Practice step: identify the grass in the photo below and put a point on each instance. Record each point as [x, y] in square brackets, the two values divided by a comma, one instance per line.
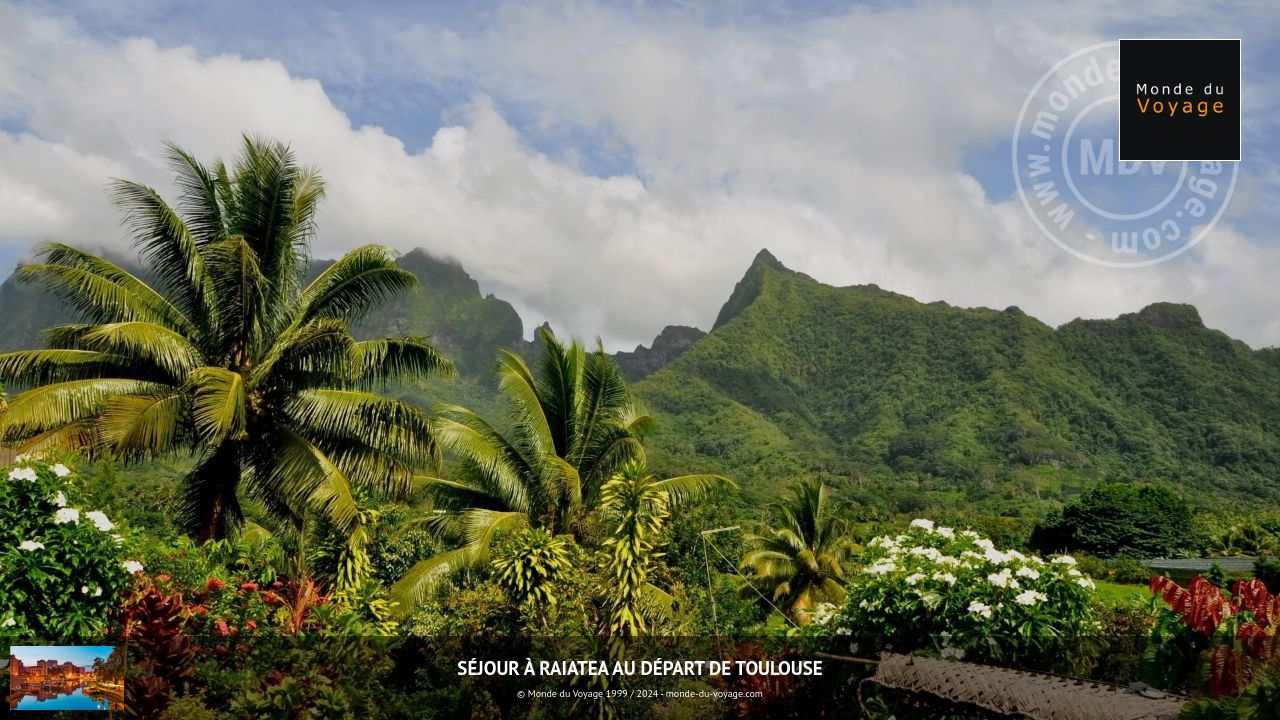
[1119, 594]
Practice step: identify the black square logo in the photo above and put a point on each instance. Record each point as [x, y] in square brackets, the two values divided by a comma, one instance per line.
[1180, 99]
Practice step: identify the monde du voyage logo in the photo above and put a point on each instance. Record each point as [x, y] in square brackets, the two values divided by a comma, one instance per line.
[1125, 153]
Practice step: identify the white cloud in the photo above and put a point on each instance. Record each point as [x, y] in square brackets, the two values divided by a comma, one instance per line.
[837, 144]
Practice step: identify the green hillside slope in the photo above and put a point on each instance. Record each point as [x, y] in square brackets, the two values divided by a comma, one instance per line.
[917, 403]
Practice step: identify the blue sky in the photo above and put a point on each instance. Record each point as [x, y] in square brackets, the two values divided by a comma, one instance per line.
[612, 167]
[82, 655]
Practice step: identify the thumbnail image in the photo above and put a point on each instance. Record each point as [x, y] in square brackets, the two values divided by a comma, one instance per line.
[66, 677]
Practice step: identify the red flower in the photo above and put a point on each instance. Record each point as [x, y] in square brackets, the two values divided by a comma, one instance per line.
[249, 587]
[199, 609]
[251, 625]
[162, 577]
[214, 584]
[221, 625]
[277, 584]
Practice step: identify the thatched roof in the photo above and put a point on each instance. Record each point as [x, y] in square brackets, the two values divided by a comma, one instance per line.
[1021, 694]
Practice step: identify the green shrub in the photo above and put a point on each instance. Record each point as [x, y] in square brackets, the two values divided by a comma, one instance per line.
[1142, 521]
[62, 568]
[934, 588]
[1267, 569]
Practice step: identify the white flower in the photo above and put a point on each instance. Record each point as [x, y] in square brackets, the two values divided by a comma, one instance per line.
[97, 592]
[1015, 555]
[10, 622]
[22, 458]
[931, 598]
[61, 470]
[131, 566]
[926, 525]
[969, 534]
[1074, 572]
[100, 520]
[985, 544]
[915, 578]
[66, 515]
[1027, 572]
[1065, 560]
[1086, 583]
[31, 545]
[995, 557]
[980, 608]
[84, 589]
[23, 473]
[1003, 579]
[946, 532]
[949, 653]
[60, 500]
[945, 577]
[844, 631]
[882, 567]
[117, 538]
[1030, 597]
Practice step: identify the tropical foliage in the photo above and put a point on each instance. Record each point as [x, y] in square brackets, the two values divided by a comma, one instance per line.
[568, 429]
[801, 562]
[226, 353]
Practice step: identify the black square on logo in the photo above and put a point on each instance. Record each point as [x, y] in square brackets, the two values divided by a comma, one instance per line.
[1180, 99]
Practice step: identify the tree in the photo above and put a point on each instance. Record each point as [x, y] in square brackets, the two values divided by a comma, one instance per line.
[800, 563]
[567, 431]
[1112, 519]
[638, 503]
[229, 356]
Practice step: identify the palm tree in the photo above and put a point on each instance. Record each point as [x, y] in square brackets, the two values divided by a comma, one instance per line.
[568, 430]
[229, 356]
[800, 563]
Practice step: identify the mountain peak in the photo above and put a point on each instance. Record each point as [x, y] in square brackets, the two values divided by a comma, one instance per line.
[1170, 316]
[764, 258]
[748, 288]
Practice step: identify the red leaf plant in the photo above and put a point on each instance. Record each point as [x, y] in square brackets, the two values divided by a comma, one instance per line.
[1204, 607]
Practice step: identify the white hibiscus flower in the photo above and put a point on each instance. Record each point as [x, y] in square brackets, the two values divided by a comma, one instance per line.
[99, 520]
[67, 515]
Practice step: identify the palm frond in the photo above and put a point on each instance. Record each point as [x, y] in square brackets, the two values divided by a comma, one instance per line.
[146, 343]
[167, 248]
[360, 280]
[685, 489]
[393, 427]
[378, 362]
[140, 427]
[427, 575]
[41, 367]
[52, 406]
[218, 403]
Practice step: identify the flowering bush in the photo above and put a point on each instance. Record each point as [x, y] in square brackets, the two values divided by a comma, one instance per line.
[935, 588]
[62, 568]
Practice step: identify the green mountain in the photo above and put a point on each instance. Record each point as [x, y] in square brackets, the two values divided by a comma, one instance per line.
[905, 405]
[670, 344]
[464, 324]
[911, 404]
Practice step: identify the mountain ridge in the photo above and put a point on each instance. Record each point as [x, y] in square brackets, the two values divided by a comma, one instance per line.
[871, 388]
